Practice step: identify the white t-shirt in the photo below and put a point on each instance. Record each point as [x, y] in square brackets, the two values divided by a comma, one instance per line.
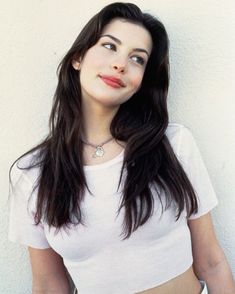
[96, 257]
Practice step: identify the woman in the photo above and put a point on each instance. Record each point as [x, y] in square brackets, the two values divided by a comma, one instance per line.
[115, 194]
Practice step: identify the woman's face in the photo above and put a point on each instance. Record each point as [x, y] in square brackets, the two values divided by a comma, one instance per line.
[112, 70]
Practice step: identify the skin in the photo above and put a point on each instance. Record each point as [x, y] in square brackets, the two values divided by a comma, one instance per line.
[100, 103]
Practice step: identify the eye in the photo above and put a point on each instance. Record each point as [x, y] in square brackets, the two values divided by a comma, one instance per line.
[138, 59]
[109, 46]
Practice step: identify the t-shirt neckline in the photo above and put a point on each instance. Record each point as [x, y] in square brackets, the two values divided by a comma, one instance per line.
[105, 164]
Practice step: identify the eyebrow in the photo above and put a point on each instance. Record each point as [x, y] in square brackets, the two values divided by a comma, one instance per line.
[119, 42]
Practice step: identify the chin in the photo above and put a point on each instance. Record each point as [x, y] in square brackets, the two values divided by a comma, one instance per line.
[110, 101]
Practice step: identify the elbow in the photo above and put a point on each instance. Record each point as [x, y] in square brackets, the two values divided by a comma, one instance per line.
[209, 261]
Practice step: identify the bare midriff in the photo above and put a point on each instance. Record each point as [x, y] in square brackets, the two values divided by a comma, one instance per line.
[184, 284]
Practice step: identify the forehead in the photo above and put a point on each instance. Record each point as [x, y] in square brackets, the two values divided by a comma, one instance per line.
[130, 33]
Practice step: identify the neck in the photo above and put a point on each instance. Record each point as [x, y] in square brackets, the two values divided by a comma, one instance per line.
[96, 125]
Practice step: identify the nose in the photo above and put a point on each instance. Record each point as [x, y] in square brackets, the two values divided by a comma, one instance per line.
[119, 66]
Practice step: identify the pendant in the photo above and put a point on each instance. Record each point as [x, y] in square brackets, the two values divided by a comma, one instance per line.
[99, 152]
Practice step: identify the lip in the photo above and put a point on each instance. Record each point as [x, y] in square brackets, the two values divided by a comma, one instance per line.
[112, 81]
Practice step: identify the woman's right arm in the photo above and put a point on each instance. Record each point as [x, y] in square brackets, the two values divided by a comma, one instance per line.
[48, 272]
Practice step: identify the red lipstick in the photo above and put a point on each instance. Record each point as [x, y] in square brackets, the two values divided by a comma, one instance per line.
[112, 81]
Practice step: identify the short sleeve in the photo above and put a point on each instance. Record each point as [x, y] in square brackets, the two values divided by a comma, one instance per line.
[22, 228]
[192, 162]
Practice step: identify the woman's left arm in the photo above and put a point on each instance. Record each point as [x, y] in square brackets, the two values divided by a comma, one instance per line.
[209, 261]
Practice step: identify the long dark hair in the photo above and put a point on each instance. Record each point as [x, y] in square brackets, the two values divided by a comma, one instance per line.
[141, 122]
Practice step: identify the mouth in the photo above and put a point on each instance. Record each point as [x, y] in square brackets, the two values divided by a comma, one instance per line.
[112, 81]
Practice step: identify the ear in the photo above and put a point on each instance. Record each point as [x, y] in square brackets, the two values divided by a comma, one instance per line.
[76, 64]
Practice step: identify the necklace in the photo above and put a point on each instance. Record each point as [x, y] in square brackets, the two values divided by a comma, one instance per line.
[99, 150]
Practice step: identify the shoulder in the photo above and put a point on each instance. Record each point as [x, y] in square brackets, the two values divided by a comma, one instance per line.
[24, 170]
[180, 138]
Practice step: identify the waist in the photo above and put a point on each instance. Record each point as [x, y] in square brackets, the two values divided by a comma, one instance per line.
[184, 284]
[131, 269]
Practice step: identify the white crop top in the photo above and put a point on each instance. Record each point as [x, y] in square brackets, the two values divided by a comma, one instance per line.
[96, 257]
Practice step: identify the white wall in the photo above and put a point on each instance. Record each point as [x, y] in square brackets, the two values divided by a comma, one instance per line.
[34, 35]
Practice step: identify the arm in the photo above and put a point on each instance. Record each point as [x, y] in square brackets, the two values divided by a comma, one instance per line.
[210, 263]
[48, 271]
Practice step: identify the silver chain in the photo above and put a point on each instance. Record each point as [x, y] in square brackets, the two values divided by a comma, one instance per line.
[99, 150]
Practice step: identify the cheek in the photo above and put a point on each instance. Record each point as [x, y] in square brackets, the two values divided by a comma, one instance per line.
[136, 80]
[91, 60]
[96, 57]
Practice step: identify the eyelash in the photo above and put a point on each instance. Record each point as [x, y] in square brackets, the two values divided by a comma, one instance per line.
[140, 61]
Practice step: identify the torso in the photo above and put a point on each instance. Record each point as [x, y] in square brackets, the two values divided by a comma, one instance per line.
[183, 284]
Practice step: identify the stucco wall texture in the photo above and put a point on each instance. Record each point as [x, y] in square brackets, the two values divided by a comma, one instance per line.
[34, 37]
